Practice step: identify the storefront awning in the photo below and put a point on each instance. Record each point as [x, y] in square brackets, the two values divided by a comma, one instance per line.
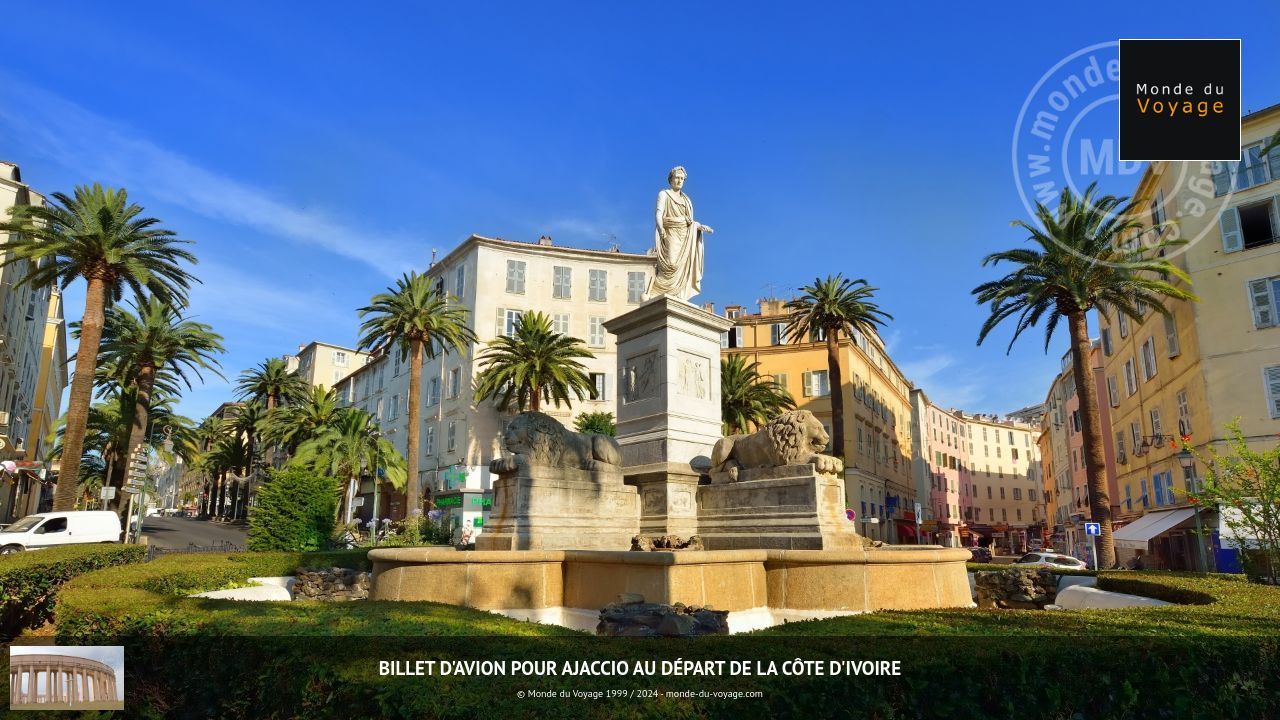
[1136, 534]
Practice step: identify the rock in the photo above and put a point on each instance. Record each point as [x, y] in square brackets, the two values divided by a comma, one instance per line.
[642, 619]
[666, 543]
[630, 598]
[1015, 588]
[677, 626]
[332, 584]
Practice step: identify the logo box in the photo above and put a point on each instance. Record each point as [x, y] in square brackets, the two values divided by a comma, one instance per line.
[1180, 100]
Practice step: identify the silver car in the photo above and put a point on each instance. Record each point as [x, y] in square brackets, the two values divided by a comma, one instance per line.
[1051, 561]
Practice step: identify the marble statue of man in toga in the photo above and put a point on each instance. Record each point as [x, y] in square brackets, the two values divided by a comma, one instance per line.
[679, 243]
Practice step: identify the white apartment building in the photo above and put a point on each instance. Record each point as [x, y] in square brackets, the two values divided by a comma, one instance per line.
[497, 281]
[25, 398]
[324, 365]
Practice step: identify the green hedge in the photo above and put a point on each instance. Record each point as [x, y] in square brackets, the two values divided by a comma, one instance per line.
[29, 581]
[1216, 658]
[294, 512]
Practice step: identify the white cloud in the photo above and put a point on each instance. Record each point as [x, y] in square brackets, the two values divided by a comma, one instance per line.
[226, 293]
[98, 147]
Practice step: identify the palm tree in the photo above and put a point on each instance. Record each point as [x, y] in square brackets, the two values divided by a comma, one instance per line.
[352, 447]
[271, 382]
[421, 322]
[1083, 257]
[290, 426]
[99, 236]
[248, 423]
[747, 398]
[136, 347]
[533, 364]
[826, 309]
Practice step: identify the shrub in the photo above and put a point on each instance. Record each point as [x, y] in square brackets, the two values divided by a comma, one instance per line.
[599, 423]
[295, 512]
[29, 581]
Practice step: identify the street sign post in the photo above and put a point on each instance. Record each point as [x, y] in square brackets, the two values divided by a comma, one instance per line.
[107, 493]
[1092, 530]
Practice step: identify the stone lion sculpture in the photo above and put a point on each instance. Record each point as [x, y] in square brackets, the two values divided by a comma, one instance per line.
[793, 438]
[534, 438]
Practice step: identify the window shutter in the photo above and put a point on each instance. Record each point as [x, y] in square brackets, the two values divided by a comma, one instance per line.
[1273, 160]
[805, 383]
[1112, 392]
[1263, 314]
[1272, 377]
[500, 324]
[1171, 336]
[1229, 221]
[1157, 481]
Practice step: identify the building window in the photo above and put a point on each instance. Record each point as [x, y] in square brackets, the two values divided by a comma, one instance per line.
[1122, 324]
[1184, 414]
[1148, 354]
[1271, 378]
[429, 444]
[1106, 341]
[433, 391]
[1017, 493]
[1113, 394]
[460, 281]
[1014, 452]
[599, 386]
[988, 488]
[452, 438]
[1250, 226]
[1130, 380]
[596, 331]
[1142, 493]
[780, 379]
[1128, 497]
[1002, 493]
[817, 335]
[635, 287]
[1252, 169]
[816, 384]
[1264, 298]
[560, 323]
[515, 276]
[455, 382]
[395, 407]
[1135, 434]
[597, 284]
[508, 318]
[561, 282]
[1031, 494]
[778, 334]
[1171, 337]
[1120, 456]
[339, 358]
[1158, 483]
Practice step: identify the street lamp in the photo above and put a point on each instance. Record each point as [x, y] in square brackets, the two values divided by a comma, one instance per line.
[1188, 462]
[375, 435]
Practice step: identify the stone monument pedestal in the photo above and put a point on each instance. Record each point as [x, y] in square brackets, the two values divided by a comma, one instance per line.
[668, 407]
[791, 507]
[548, 508]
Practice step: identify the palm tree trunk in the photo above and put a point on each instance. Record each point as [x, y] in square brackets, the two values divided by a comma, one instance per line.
[141, 414]
[535, 400]
[64, 497]
[837, 393]
[412, 501]
[1094, 463]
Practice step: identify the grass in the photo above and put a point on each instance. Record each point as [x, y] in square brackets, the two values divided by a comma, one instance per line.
[321, 660]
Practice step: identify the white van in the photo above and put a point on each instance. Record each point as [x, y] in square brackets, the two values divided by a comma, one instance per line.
[60, 528]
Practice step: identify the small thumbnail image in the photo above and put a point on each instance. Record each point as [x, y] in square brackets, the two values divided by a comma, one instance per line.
[51, 677]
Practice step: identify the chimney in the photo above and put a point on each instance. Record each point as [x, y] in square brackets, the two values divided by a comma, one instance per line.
[301, 347]
[709, 307]
[545, 240]
[433, 258]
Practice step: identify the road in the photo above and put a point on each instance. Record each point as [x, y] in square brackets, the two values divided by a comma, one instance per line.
[178, 533]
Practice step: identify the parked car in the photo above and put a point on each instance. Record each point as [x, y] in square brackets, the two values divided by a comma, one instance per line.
[60, 528]
[1051, 561]
[980, 554]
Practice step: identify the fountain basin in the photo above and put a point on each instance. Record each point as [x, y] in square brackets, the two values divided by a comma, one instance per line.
[767, 586]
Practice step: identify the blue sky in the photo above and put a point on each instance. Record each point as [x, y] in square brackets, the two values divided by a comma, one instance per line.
[314, 155]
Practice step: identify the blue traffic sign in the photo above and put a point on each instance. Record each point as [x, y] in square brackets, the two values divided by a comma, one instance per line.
[1092, 529]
